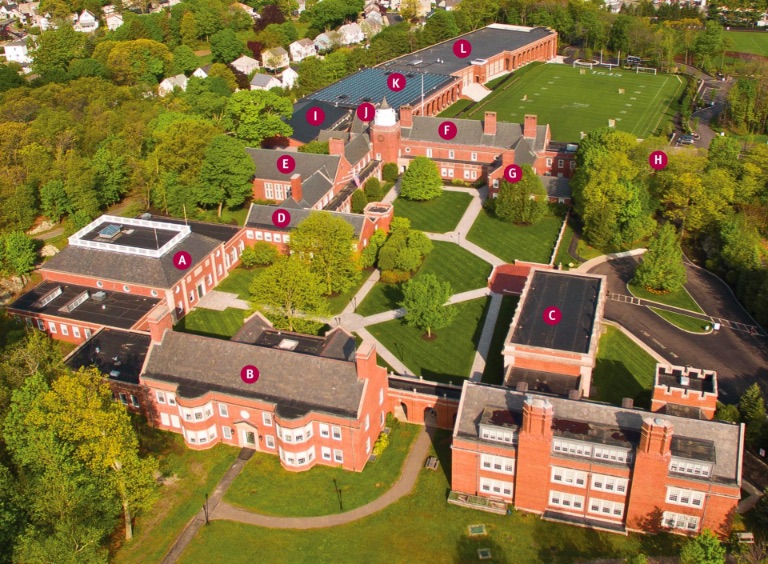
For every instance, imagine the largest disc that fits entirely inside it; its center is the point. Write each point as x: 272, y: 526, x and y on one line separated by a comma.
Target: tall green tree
x: 226, y: 173
x: 225, y: 46
x: 359, y: 201
x: 184, y: 60
x: 57, y: 47
x: 703, y: 549
x: 255, y: 115
x: 441, y: 26
x: 524, y: 201
x: 425, y: 300
x: 111, y: 173
x: 661, y: 267
x: 327, y: 243
x: 19, y: 254
x: 289, y: 287
x: 188, y: 29
x: 54, y: 202
x: 421, y: 181
x: 752, y: 410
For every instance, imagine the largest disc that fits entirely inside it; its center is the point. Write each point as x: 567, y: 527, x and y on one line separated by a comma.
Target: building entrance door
x: 200, y: 290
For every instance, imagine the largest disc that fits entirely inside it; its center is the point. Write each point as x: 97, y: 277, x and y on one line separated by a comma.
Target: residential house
x: 113, y: 21
x: 302, y: 49
x: 370, y: 26
x: 45, y: 22
x: 86, y: 22
x: 288, y: 78
x: 28, y: 12
x: 326, y: 41
x: 350, y: 34
x: 245, y: 64
x: 448, y: 5
x: 169, y: 84
x: 18, y: 52
x: 264, y: 82
x: 275, y: 59
x: 247, y: 9
x: 202, y: 72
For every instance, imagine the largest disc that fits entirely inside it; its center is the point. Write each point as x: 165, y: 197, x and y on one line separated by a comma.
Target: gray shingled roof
x: 469, y: 132
x: 132, y: 269
x: 294, y: 382
x: 261, y: 216
x: 723, y: 436
x: 357, y: 149
x: 556, y: 187
x: 263, y: 80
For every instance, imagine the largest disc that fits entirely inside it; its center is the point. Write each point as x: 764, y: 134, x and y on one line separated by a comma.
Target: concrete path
x: 484, y: 345
x: 362, y: 292
x: 469, y: 295
x: 213, y: 501
x: 754, y: 496
x: 411, y: 468
x: 396, y: 364
x: 220, y: 301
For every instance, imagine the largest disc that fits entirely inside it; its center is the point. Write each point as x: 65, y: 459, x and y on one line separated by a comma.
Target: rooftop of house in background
x: 82, y: 303
x: 119, y: 355
x: 577, y: 298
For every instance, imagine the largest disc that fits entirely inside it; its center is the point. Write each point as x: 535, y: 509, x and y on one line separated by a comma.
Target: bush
x: 419, y: 241
x: 489, y: 205
x: 261, y: 254
x: 373, y: 189
x: 408, y: 259
x: 381, y: 444
x: 421, y: 181
x: 390, y: 172
x: 394, y: 276
x: 359, y: 201
x: 458, y: 182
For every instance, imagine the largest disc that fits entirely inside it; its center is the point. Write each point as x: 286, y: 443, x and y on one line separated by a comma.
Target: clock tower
x: 385, y: 134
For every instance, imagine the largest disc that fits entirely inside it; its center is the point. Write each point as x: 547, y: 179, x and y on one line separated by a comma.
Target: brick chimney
x: 296, y: 192
x: 537, y: 417
x: 159, y: 321
x: 656, y: 437
x: 406, y: 116
x: 489, y: 124
x: 336, y: 146
x: 529, y: 127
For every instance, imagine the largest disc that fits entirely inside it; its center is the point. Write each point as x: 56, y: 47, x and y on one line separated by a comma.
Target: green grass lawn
x: 588, y: 252
x: 447, y: 358
x: 494, y: 364
x: 680, y: 298
x: 338, y: 302
x: 447, y: 261
x: 421, y: 527
x: 684, y: 322
x: 239, y: 281
x: 385, y: 188
x: 211, y: 323
x: 755, y: 42
x: 456, y: 108
x: 230, y: 217
x: 509, y: 242
x: 563, y: 256
x: 439, y: 215
x: 265, y: 487
x: 189, y: 474
x: 572, y: 102
x: 622, y: 370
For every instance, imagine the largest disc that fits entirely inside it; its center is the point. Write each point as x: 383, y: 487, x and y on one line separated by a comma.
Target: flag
x: 356, y: 178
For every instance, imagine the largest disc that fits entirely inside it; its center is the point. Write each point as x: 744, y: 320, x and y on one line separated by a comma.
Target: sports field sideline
x: 572, y: 102
x: 755, y: 42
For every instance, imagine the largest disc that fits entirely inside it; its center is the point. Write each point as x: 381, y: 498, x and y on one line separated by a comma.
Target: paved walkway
x: 754, y: 496
x: 213, y: 502
x: 220, y: 301
x: 411, y: 468
x: 484, y: 345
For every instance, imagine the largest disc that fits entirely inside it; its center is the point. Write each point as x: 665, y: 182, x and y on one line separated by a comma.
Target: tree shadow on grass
x: 394, y: 295
x: 441, y: 441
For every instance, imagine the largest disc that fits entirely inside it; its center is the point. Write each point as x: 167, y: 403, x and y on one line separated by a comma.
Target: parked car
x: 686, y: 141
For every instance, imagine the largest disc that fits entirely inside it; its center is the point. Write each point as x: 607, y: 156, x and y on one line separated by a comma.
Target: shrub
x: 373, y: 189
x: 261, y: 254
x: 419, y: 241
x: 408, y: 259
x: 381, y: 444
x: 490, y: 205
x: 394, y: 276
x: 359, y: 201
x: 389, y: 172
x: 458, y: 182
x: 421, y: 181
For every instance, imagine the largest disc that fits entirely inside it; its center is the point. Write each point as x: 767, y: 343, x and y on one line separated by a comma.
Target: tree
x: 752, y: 410
x: 326, y: 242
x: 316, y: 147
x: 110, y: 173
x: 421, y: 181
x: 260, y: 254
x: 188, y: 29
x: 371, y: 251
x: 9, y: 78
x: 727, y: 412
x: 424, y: 299
x: 57, y: 47
x: 271, y: 14
x: 372, y: 189
x: 19, y: 254
x: 255, y: 115
x: 390, y: 172
x: 226, y: 173
x: 359, y: 201
x: 184, y: 60
x: 409, y: 9
x: 54, y: 202
x: 87, y: 67
x: 441, y: 26
x: 222, y: 71
x: 524, y: 201
x: 290, y: 287
x: 476, y: 13
x: 225, y: 46
x: 139, y: 61
x: 661, y: 267
x: 704, y: 549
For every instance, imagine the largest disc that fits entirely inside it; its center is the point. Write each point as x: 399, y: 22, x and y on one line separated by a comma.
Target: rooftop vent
x: 574, y: 394
x: 410, y: 75
x: 343, y: 96
x: 99, y: 296
x: 72, y: 305
x: 145, y: 216
x: 288, y: 344
x: 685, y: 381
x: 49, y: 297
x: 522, y: 387
x: 110, y: 231
x: 627, y: 403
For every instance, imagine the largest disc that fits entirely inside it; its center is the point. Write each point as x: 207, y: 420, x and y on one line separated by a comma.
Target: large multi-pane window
x: 565, y: 500
x: 569, y: 477
x: 498, y: 463
x: 609, y: 484
x: 680, y: 521
x: 606, y: 508
x: 680, y: 496
x: 496, y: 487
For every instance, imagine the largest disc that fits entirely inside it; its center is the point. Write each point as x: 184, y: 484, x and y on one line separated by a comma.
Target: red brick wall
x: 549, y: 366
x: 663, y: 395
x: 107, y: 285
x: 59, y: 336
x: 416, y: 404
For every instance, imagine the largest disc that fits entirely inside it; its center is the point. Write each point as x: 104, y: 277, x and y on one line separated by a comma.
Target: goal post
x: 582, y: 65
x: 646, y: 70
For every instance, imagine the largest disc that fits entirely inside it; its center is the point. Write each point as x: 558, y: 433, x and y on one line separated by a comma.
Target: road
x: 739, y: 358
x: 709, y: 114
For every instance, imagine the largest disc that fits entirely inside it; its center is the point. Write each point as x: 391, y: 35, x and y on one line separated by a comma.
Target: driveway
x: 708, y: 114
x: 738, y: 357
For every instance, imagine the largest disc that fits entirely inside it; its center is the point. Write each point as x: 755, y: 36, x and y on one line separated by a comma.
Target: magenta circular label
x: 462, y: 48
x: 447, y: 130
x: 315, y: 116
x: 281, y: 218
x: 286, y: 164
x: 182, y: 260
x: 396, y: 82
x: 552, y: 315
x: 366, y: 111
x: 513, y: 173
x: 658, y: 160
x: 249, y: 374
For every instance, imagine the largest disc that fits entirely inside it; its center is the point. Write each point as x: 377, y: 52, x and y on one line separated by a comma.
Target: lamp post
x: 338, y: 494
x: 354, y: 303
x: 205, y: 508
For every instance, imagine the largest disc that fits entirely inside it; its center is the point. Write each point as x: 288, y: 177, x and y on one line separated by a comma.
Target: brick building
x: 596, y: 465
x: 686, y: 391
x: 555, y: 358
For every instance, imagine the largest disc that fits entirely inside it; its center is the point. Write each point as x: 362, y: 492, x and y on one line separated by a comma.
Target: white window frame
x: 266, y: 418
x: 496, y: 487
x: 473, y: 156
x: 270, y: 440
x: 135, y: 401
x: 268, y: 191
x: 549, y: 162
x: 336, y: 432
x: 679, y: 466
x: 277, y: 238
x: 259, y: 236
x: 569, y: 477
x: 325, y: 430
x: 368, y: 445
x: 429, y: 152
x: 473, y: 174
x: 613, y: 484
x: 682, y: 521
x: 367, y: 421
x: 560, y: 163
x: 171, y: 398
x: 175, y: 422
x: 381, y: 396
x: 573, y: 448
x: 52, y: 327
x: 690, y: 498
x: 615, y: 509
x: 566, y: 500
x: 226, y: 432
x: 612, y: 454
x: 450, y: 173
x: 326, y: 453
x: 165, y: 420
x: 160, y: 396
x: 338, y: 456
x: 466, y: 174
x: 502, y: 464
x: 223, y: 410
x: 76, y: 331
x: 497, y: 435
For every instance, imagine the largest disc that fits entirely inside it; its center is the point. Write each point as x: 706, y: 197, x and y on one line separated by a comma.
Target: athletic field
x: 755, y: 42
x: 572, y: 102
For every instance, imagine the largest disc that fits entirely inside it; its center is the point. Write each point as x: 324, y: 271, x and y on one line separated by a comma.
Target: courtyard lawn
x: 680, y: 298
x: 447, y: 261
x: 212, y: 323
x: 189, y: 475
x: 421, y: 527
x: 588, y: 252
x: 563, y: 256
x: 755, y: 42
x: 494, y: 364
x: 265, y: 487
x: 447, y: 358
x: 533, y: 243
x: 622, y: 370
x: 239, y: 281
x: 439, y: 215
x: 338, y: 302
x: 456, y: 108
x: 571, y: 102
x: 684, y: 322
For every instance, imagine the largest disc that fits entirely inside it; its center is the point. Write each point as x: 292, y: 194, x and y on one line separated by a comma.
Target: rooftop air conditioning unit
x: 685, y: 381
x: 99, y: 296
